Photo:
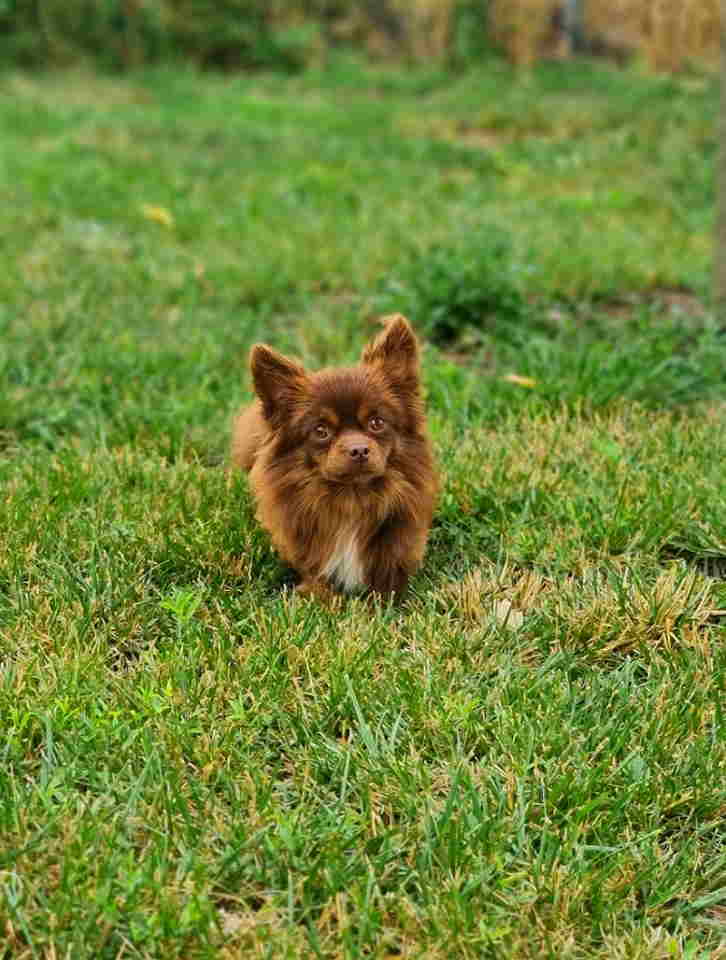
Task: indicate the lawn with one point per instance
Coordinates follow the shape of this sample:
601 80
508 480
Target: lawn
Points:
526 758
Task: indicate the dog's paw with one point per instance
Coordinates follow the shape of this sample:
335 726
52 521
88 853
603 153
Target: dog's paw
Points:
318 590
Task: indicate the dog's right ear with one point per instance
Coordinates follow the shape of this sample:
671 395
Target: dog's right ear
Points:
280 383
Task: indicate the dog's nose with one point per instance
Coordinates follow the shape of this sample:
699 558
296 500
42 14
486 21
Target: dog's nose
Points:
358 452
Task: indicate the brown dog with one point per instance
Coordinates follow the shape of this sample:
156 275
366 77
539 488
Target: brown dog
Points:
340 464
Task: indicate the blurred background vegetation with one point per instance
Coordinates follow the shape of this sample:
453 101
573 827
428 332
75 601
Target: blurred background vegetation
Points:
295 34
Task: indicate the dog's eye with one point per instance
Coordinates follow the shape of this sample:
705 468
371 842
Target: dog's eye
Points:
322 432
376 424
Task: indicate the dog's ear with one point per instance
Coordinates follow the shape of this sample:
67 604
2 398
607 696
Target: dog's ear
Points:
395 352
280 383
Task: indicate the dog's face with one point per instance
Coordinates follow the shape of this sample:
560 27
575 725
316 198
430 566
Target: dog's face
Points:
344 424
350 426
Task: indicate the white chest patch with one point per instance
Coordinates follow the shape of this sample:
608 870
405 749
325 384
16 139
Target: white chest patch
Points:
344 565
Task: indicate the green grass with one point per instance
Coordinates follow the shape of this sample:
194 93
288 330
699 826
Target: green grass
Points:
526 759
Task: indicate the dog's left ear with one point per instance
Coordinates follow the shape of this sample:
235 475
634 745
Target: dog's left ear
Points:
280 383
395 352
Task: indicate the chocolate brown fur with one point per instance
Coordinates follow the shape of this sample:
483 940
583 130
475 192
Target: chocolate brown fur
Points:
340 464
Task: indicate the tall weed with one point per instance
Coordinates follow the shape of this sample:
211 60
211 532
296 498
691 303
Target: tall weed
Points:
462 288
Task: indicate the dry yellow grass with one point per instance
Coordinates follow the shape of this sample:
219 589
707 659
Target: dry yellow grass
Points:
679 602
426 29
523 28
429 24
667 33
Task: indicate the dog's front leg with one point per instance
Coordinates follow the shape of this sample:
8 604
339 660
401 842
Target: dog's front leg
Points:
395 552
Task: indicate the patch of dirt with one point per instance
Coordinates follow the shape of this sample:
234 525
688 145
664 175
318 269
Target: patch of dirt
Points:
709 564
450 131
674 299
478 139
78 89
679 301
461 355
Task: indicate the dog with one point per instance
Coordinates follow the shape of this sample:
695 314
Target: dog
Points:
340 464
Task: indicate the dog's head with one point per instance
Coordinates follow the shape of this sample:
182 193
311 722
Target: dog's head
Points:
344 423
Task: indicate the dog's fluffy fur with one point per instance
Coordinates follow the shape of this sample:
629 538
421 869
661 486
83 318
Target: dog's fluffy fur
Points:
340 464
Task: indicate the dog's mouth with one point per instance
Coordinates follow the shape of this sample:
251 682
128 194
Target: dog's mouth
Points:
361 475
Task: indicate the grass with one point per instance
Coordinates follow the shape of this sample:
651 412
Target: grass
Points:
526 759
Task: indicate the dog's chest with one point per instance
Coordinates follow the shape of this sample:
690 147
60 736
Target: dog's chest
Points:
344 565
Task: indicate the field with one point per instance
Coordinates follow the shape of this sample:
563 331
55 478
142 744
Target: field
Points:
526 759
